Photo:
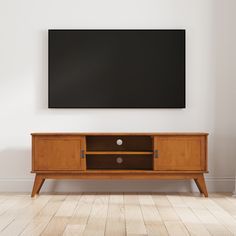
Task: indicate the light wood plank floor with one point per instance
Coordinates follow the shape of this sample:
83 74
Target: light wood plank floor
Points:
117 214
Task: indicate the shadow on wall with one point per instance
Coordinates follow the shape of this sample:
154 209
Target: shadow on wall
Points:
41 85
224 67
117 186
15 163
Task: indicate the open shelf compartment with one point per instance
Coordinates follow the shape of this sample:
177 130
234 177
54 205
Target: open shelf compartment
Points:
119 143
119 162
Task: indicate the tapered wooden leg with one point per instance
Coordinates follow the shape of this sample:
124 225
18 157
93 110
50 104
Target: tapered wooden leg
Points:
200 182
38 182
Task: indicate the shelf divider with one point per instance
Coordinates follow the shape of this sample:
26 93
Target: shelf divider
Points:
117 153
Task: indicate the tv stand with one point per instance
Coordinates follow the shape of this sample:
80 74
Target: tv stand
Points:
119 156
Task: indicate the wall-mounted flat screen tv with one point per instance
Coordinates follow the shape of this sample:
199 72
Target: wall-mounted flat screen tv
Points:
116 68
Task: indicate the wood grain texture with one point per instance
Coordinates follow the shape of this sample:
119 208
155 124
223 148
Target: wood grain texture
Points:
77 223
13 207
9 203
118 153
219 210
207 219
94 156
57 153
146 172
58 223
115 224
27 214
180 153
121 134
40 221
38 182
96 224
118 214
191 221
133 216
176 228
200 182
152 218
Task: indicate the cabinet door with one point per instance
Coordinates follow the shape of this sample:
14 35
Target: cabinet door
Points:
58 153
178 153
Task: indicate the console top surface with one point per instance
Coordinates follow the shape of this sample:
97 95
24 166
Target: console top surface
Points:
121 134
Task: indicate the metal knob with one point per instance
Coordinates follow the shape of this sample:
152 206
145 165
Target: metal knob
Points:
119 142
119 160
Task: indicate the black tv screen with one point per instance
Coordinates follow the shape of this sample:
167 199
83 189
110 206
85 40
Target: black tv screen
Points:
116 68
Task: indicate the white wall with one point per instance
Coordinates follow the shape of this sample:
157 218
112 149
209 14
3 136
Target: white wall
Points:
210 81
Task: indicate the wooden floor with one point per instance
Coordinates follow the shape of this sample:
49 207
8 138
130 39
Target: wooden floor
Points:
117 214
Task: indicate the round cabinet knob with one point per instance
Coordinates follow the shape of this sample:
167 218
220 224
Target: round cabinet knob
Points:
119 142
119 160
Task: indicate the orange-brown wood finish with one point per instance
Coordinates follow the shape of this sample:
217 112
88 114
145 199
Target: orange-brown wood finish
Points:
116 152
200 182
174 156
179 153
58 153
38 183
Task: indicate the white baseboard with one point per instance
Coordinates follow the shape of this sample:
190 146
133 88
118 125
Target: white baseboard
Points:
214 184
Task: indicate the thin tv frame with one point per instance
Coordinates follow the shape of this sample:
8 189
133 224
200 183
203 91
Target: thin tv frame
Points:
183 103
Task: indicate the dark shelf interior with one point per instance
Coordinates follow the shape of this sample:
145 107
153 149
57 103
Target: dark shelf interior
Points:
119 152
119 162
109 143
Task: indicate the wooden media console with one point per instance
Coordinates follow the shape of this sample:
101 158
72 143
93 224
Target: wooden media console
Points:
119 156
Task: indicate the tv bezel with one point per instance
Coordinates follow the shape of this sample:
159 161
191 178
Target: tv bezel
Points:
108 107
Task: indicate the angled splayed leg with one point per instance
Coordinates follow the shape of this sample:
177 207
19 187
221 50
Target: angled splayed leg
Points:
200 182
38 182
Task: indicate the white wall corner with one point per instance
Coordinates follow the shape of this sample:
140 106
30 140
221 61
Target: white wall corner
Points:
234 193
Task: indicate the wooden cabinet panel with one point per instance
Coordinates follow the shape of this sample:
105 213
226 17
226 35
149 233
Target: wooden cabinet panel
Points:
176 153
58 153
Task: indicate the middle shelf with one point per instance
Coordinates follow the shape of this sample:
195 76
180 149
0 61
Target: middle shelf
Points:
116 153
